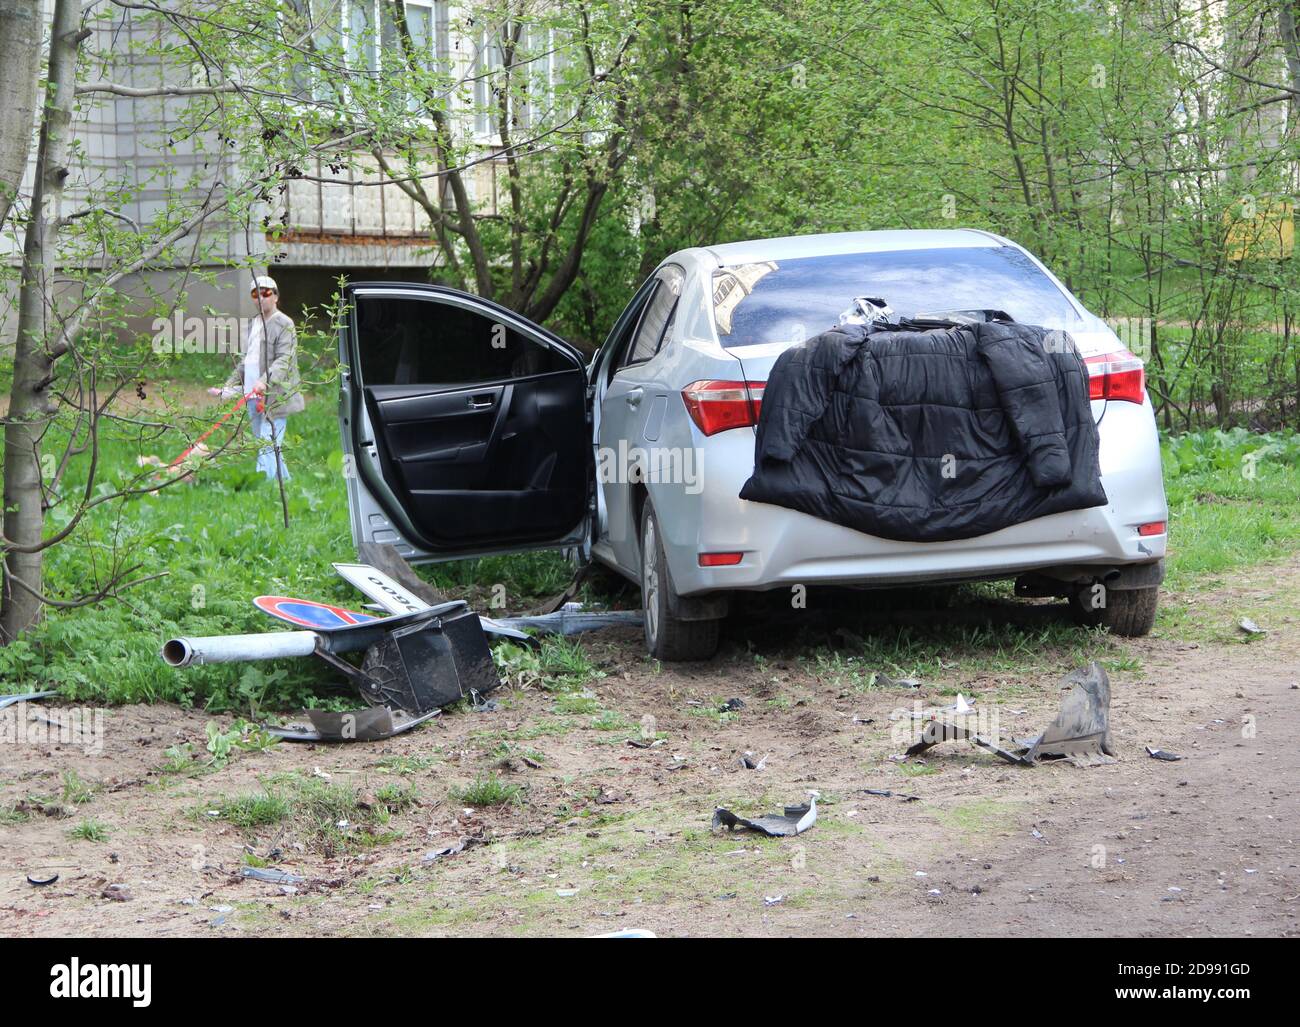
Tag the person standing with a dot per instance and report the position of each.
(271, 344)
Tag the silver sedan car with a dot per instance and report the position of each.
(468, 430)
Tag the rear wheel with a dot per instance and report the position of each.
(1129, 612)
(668, 637)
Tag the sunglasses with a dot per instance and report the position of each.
(264, 292)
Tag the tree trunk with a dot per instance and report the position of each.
(1286, 24)
(20, 58)
(29, 403)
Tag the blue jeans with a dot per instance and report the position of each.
(262, 429)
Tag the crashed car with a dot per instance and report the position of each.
(470, 431)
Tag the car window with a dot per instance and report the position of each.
(657, 317)
(791, 300)
(415, 342)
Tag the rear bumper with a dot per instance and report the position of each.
(782, 548)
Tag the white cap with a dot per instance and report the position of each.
(265, 282)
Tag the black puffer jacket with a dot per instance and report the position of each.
(928, 435)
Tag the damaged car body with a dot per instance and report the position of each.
(472, 431)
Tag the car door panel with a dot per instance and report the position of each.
(627, 404)
(478, 430)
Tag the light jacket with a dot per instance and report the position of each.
(279, 360)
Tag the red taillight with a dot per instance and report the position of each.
(1152, 528)
(718, 406)
(1117, 376)
(720, 559)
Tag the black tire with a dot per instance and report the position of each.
(667, 637)
(1130, 612)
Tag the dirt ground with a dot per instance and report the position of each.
(606, 836)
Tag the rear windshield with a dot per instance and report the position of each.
(792, 300)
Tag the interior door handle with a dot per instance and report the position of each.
(633, 397)
(480, 402)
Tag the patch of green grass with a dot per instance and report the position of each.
(396, 798)
(506, 750)
(181, 762)
(252, 809)
(487, 790)
(576, 702)
(90, 831)
(540, 728)
(979, 816)
(560, 665)
(405, 765)
(332, 817)
(610, 720)
(1234, 500)
(12, 816)
(75, 790)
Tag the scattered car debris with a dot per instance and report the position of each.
(369, 725)
(268, 876)
(485, 706)
(9, 700)
(879, 677)
(421, 657)
(1250, 627)
(773, 900)
(1161, 754)
(1080, 732)
(795, 820)
(566, 893)
(748, 761)
(886, 793)
(40, 881)
(454, 849)
(731, 705)
(573, 619)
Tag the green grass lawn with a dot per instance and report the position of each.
(221, 542)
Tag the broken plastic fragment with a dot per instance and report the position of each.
(368, 725)
(795, 820)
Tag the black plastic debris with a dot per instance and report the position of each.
(41, 880)
(795, 820)
(731, 705)
(370, 725)
(1080, 731)
(886, 793)
(1161, 754)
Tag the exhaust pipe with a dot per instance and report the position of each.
(269, 645)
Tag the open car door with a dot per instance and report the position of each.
(465, 427)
